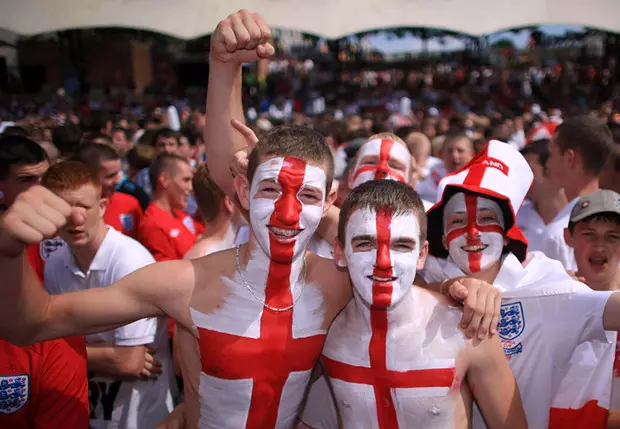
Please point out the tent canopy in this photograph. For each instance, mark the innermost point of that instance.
(187, 19)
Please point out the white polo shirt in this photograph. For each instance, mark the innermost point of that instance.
(118, 404)
(532, 225)
(545, 315)
(554, 245)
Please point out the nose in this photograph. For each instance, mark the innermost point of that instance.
(287, 209)
(383, 257)
(472, 230)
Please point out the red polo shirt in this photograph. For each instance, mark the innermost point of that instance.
(44, 386)
(124, 214)
(168, 237)
(38, 253)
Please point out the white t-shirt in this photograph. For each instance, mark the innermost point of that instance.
(136, 404)
(545, 315)
(429, 179)
(554, 245)
(532, 225)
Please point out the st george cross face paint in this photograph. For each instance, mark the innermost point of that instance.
(381, 269)
(381, 159)
(475, 238)
(286, 204)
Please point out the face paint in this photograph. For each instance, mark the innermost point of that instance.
(380, 274)
(281, 223)
(378, 168)
(474, 242)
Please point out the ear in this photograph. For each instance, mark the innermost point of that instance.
(568, 238)
(242, 188)
(571, 157)
(164, 179)
(103, 206)
(350, 178)
(228, 205)
(506, 241)
(422, 256)
(444, 242)
(339, 258)
(331, 197)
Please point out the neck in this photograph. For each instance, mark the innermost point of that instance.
(422, 160)
(84, 255)
(612, 283)
(401, 313)
(163, 202)
(488, 274)
(219, 228)
(261, 272)
(550, 204)
(581, 185)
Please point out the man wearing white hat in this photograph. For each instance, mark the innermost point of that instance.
(545, 313)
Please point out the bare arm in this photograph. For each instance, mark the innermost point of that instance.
(241, 37)
(188, 355)
(494, 386)
(122, 362)
(613, 422)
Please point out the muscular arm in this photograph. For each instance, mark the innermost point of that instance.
(156, 290)
(494, 386)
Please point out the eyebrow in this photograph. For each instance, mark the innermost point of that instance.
(363, 237)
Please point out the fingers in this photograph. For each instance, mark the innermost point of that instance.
(496, 313)
(242, 35)
(265, 31)
(252, 29)
(486, 322)
(478, 309)
(246, 132)
(458, 291)
(468, 310)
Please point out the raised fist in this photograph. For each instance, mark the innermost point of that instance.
(243, 37)
(36, 214)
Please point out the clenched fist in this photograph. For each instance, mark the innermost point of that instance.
(36, 214)
(242, 37)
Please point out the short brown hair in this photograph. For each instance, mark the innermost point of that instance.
(376, 195)
(208, 195)
(387, 136)
(164, 163)
(94, 155)
(140, 156)
(69, 175)
(295, 141)
(588, 136)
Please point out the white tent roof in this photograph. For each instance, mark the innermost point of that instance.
(188, 19)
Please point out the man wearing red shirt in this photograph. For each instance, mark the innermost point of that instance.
(166, 231)
(124, 212)
(42, 386)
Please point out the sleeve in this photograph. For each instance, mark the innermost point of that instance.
(142, 331)
(580, 316)
(158, 243)
(63, 401)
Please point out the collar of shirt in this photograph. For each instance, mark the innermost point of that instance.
(99, 262)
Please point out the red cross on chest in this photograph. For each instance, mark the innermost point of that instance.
(269, 359)
(382, 379)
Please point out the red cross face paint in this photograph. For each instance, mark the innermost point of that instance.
(474, 229)
(286, 204)
(381, 159)
(382, 254)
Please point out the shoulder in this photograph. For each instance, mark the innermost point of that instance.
(331, 279)
(125, 251)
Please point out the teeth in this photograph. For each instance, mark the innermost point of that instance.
(287, 233)
(382, 279)
(474, 248)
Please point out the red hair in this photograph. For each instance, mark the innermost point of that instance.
(69, 175)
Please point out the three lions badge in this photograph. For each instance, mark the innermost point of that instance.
(511, 326)
(14, 392)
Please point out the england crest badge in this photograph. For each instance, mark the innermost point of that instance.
(14, 392)
(49, 246)
(127, 222)
(511, 326)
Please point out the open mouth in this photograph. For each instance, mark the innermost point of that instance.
(283, 233)
(380, 279)
(474, 248)
(598, 262)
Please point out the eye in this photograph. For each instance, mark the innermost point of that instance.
(362, 246)
(309, 196)
(404, 247)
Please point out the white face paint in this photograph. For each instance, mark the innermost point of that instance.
(474, 231)
(286, 204)
(382, 253)
(381, 159)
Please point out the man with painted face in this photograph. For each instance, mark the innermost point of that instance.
(395, 356)
(545, 314)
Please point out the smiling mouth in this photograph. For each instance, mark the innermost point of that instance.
(474, 248)
(598, 262)
(283, 233)
(380, 279)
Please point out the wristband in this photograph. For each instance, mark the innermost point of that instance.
(442, 285)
